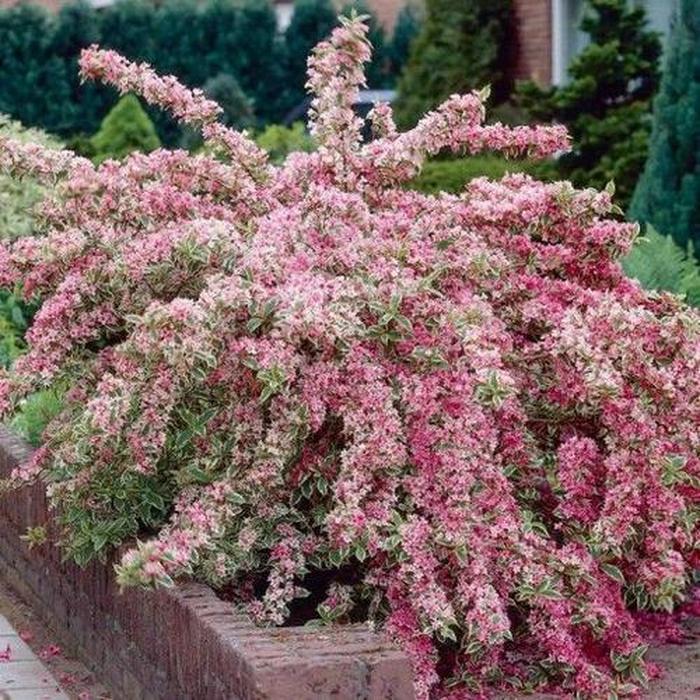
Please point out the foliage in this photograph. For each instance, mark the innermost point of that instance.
(668, 192)
(19, 198)
(36, 411)
(406, 29)
(124, 130)
(311, 22)
(456, 409)
(659, 263)
(453, 175)
(279, 141)
(606, 102)
(461, 46)
(237, 107)
(11, 327)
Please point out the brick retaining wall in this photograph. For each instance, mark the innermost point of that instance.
(184, 643)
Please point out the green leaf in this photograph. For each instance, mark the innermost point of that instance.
(614, 573)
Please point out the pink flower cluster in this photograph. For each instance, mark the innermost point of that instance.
(454, 411)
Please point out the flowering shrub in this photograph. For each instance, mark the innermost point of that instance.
(453, 411)
(17, 199)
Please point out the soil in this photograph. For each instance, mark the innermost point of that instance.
(680, 666)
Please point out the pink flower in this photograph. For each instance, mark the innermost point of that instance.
(455, 412)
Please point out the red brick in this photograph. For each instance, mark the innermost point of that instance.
(184, 643)
(533, 21)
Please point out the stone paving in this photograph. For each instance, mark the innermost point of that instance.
(22, 674)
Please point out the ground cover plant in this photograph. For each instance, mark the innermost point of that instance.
(658, 262)
(452, 416)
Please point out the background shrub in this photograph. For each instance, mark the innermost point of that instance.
(125, 129)
(279, 141)
(35, 412)
(18, 198)
(13, 324)
(452, 175)
(238, 109)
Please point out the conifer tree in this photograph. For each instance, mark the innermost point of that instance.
(126, 128)
(311, 22)
(606, 102)
(34, 83)
(408, 24)
(668, 193)
(462, 46)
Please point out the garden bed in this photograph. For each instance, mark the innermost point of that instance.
(185, 642)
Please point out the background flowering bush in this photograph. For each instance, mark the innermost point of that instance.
(452, 415)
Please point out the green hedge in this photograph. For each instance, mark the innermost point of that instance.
(39, 83)
(453, 175)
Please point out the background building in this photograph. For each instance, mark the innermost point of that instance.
(549, 35)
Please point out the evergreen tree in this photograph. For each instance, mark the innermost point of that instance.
(668, 192)
(311, 22)
(189, 57)
(125, 129)
(78, 26)
(129, 26)
(238, 108)
(606, 102)
(259, 67)
(34, 84)
(407, 27)
(461, 46)
(377, 71)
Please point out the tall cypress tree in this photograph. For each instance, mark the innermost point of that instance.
(668, 192)
(462, 46)
(311, 22)
(607, 101)
(34, 84)
(407, 27)
(377, 71)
